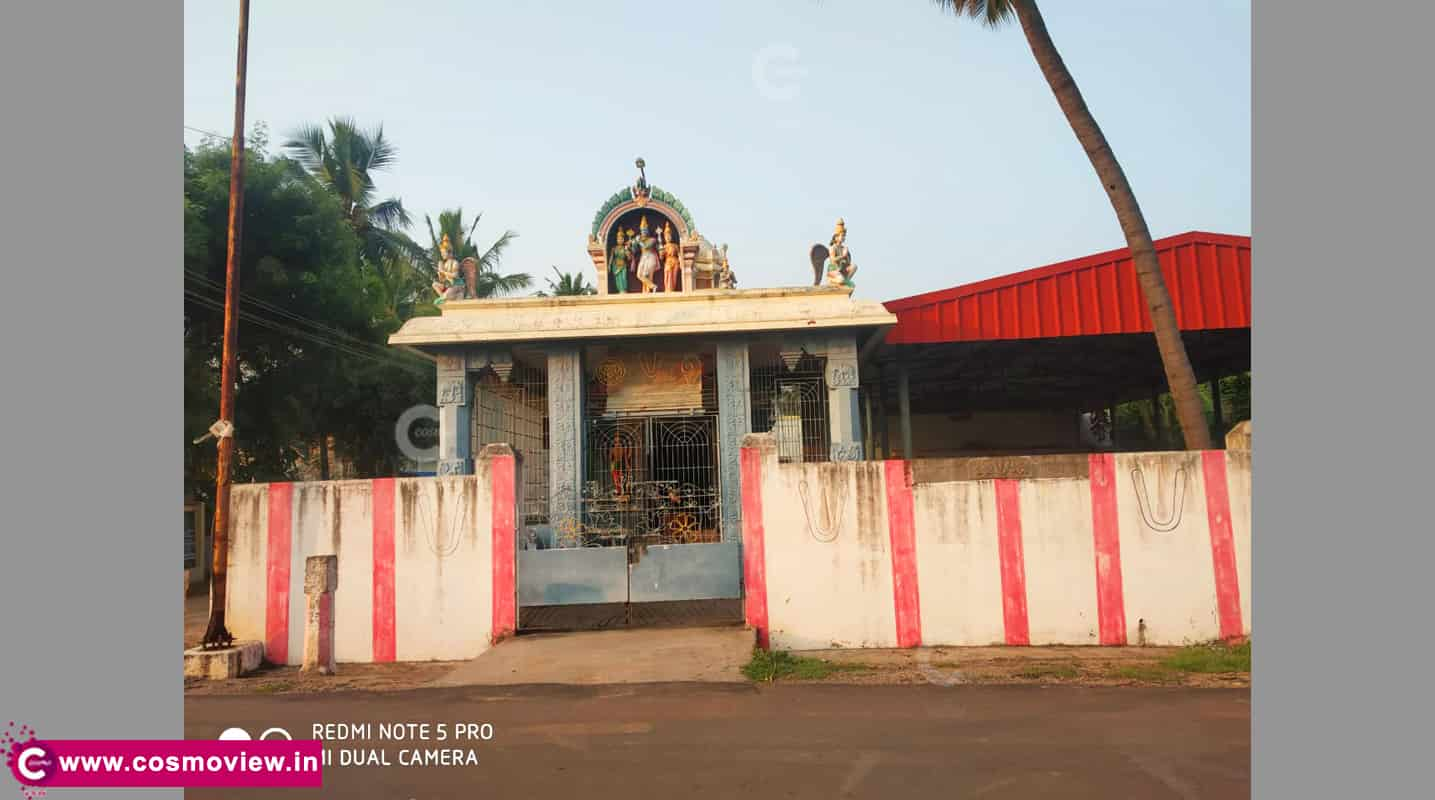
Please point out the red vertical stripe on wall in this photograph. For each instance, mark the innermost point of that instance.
(383, 592)
(503, 476)
(1110, 601)
(1013, 562)
(754, 558)
(902, 528)
(1223, 542)
(276, 571)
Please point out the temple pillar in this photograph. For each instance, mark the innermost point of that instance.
(844, 413)
(734, 422)
(565, 433)
(455, 415)
(600, 264)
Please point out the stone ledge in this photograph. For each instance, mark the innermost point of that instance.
(219, 665)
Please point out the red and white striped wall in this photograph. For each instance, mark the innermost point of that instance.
(1151, 547)
(426, 565)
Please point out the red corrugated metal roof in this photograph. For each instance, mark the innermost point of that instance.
(1207, 274)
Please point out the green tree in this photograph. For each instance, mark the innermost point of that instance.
(313, 359)
(343, 159)
(1179, 375)
(490, 281)
(568, 284)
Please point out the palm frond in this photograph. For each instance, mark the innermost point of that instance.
(381, 153)
(992, 13)
(492, 283)
(308, 146)
(493, 256)
(390, 214)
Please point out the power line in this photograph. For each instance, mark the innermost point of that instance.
(205, 132)
(326, 329)
(281, 328)
(377, 354)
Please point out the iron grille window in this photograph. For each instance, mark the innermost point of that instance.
(650, 480)
(191, 550)
(515, 412)
(791, 403)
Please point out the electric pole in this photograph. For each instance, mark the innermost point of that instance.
(217, 635)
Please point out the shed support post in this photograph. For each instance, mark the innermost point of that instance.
(904, 407)
(1216, 407)
(1158, 418)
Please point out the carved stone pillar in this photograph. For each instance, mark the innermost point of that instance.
(321, 578)
(734, 422)
(600, 264)
(455, 416)
(689, 252)
(844, 413)
(565, 433)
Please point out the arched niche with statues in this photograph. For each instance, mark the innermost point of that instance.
(669, 223)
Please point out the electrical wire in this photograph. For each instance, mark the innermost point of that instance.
(377, 355)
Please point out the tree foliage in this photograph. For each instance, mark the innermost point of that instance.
(342, 157)
(313, 362)
(568, 284)
(490, 281)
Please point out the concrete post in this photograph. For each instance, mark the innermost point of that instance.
(1220, 417)
(504, 467)
(869, 435)
(734, 422)
(904, 407)
(565, 433)
(844, 417)
(321, 578)
(455, 416)
(882, 420)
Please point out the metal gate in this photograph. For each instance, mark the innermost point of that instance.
(647, 546)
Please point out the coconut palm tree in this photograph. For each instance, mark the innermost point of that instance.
(490, 281)
(1179, 376)
(567, 285)
(343, 158)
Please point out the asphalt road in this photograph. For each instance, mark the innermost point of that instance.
(693, 741)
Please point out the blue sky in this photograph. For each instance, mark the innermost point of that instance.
(935, 138)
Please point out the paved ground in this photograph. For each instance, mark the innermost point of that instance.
(639, 655)
(730, 740)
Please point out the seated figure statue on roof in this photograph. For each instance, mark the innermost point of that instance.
(833, 267)
(450, 284)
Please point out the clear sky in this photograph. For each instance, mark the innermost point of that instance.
(935, 138)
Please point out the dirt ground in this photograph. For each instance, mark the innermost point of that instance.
(1070, 666)
(942, 666)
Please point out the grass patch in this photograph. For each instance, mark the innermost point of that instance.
(1042, 671)
(1213, 657)
(779, 665)
(272, 687)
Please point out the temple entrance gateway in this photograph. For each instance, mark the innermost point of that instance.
(645, 543)
(629, 408)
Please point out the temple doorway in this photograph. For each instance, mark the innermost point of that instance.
(645, 545)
